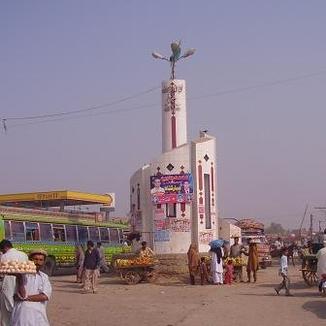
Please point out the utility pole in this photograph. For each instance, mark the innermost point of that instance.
(310, 228)
(301, 224)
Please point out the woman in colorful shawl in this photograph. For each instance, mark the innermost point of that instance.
(252, 265)
(193, 262)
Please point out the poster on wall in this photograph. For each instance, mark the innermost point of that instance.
(206, 237)
(161, 236)
(159, 214)
(179, 225)
(172, 188)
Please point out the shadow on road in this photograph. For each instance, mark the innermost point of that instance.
(316, 307)
(295, 294)
(294, 286)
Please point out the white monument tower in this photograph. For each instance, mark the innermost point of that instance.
(173, 199)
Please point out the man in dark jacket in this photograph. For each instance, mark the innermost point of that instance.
(91, 266)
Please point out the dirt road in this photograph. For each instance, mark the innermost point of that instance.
(174, 303)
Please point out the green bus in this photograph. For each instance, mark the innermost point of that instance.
(58, 234)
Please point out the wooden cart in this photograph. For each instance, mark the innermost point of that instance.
(309, 269)
(134, 274)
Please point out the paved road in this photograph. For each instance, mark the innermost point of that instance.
(173, 303)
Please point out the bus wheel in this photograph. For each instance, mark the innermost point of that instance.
(49, 266)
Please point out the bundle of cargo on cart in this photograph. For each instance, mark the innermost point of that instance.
(134, 268)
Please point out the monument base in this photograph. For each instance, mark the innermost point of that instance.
(172, 263)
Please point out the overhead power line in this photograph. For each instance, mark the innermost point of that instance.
(262, 85)
(92, 110)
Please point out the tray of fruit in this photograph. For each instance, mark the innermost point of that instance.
(16, 267)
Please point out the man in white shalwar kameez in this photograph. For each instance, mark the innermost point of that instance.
(8, 285)
(33, 292)
(217, 265)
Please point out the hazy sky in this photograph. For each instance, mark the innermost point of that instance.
(60, 56)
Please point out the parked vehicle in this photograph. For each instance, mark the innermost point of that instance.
(252, 229)
(58, 234)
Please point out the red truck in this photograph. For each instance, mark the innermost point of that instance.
(252, 229)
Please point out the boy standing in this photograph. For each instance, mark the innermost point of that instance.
(203, 271)
(284, 273)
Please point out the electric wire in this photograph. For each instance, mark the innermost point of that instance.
(89, 111)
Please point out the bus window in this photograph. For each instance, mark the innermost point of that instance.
(59, 233)
(104, 235)
(93, 233)
(82, 234)
(7, 230)
(114, 236)
(32, 231)
(17, 229)
(46, 232)
(71, 233)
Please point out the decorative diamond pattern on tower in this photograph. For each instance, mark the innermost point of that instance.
(170, 167)
(206, 157)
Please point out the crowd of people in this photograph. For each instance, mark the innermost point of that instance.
(218, 269)
(92, 261)
(23, 297)
(215, 271)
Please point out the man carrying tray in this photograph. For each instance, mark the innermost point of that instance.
(33, 292)
(9, 282)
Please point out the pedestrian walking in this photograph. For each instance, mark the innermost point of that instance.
(283, 271)
(91, 267)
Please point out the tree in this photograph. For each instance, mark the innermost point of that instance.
(275, 228)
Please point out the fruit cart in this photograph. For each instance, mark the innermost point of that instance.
(133, 269)
(309, 269)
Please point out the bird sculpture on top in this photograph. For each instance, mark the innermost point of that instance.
(176, 56)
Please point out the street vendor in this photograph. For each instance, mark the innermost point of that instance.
(32, 294)
(145, 251)
(236, 251)
(7, 289)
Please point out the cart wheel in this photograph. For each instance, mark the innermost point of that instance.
(132, 277)
(310, 277)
